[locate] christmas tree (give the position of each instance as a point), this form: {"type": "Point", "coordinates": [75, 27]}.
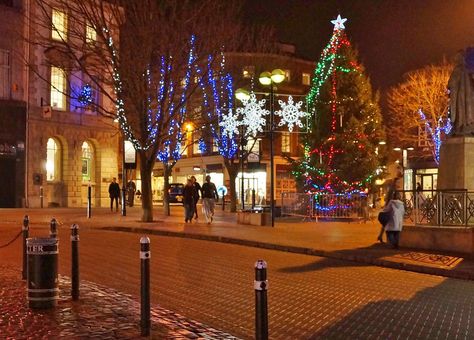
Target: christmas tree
{"type": "Point", "coordinates": [341, 154]}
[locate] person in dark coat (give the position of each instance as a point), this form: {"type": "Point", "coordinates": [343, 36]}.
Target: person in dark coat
{"type": "Point", "coordinates": [114, 194]}
{"type": "Point", "coordinates": [188, 201]}
{"type": "Point", "coordinates": [197, 191]}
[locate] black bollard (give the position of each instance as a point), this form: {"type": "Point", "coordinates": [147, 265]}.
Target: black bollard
{"type": "Point", "coordinates": [53, 228]}
{"type": "Point", "coordinates": [223, 202]}
{"type": "Point", "coordinates": [145, 285]}
{"type": "Point", "coordinates": [89, 201]}
{"type": "Point", "coordinates": [253, 199]}
{"type": "Point", "coordinates": [26, 229]}
{"type": "Point", "coordinates": [261, 309]}
{"type": "Point", "coordinates": [75, 262]}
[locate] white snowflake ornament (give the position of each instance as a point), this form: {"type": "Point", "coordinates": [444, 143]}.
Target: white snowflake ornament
{"type": "Point", "coordinates": [290, 113]}
{"type": "Point", "coordinates": [253, 114]}
{"type": "Point", "coordinates": [230, 124]}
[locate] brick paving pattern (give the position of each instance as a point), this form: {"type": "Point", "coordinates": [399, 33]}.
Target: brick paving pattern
{"type": "Point", "coordinates": [310, 297]}
{"type": "Point", "coordinates": [101, 313]}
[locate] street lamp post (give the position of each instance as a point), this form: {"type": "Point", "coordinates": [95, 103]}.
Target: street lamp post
{"type": "Point", "coordinates": [404, 152]}
{"type": "Point", "coordinates": [267, 78]}
{"type": "Point", "coordinates": [242, 94]}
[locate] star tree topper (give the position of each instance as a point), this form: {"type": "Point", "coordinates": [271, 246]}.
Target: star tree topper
{"type": "Point", "coordinates": [253, 114]}
{"type": "Point", "coordinates": [290, 113]}
{"type": "Point", "coordinates": [339, 22]}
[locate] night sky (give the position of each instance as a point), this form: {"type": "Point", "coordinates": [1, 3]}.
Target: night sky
{"type": "Point", "coordinates": [392, 36]}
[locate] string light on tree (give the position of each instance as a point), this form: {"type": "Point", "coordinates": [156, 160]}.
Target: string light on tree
{"type": "Point", "coordinates": [86, 96]}
{"type": "Point", "coordinates": [442, 129]}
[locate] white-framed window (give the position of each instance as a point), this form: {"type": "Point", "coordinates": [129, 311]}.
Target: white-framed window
{"type": "Point", "coordinates": [287, 75]}
{"type": "Point", "coordinates": [87, 161]}
{"type": "Point", "coordinates": [196, 145]}
{"type": "Point", "coordinates": [59, 25]}
{"type": "Point", "coordinates": [91, 35]}
{"type": "Point", "coordinates": [58, 88]}
{"type": "Point", "coordinates": [285, 142]}
{"type": "Point", "coordinates": [215, 146]}
{"type": "Point", "coordinates": [248, 71]}
{"type": "Point", "coordinates": [5, 85]}
{"type": "Point", "coordinates": [53, 160]}
{"type": "Point", "coordinates": [306, 78]}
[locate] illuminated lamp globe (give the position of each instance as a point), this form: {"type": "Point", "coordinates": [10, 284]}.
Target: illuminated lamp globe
{"type": "Point", "coordinates": [278, 76]}
{"type": "Point", "coordinates": [265, 78]}
{"type": "Point", "coordinates": [242, 94]}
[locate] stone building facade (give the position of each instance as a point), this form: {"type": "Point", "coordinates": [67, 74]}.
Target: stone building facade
{"type": "Point", "coordinates": [56, 149]}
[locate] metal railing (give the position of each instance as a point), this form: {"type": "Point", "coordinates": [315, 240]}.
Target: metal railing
{"type": "Point", "coordinates": [330, 206]}
{"type": "Point", "coordinates": [439, 207]}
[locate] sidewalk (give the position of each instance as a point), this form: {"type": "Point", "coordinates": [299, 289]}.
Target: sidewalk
{"type": "Point", "coordinates": [101, 313]}
{"type": "Point", "coordinates": [339, 240]}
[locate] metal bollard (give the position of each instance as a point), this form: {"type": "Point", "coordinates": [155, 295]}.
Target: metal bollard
{"type": "Point", "coordinates": [26, 229]}
{"type": "Point", "coordinates": [53, 228]}
{"type": "Point", "coordinates": [223, 202]}
{"type": "Point", "coordinates": [124, 201]}
{"type": "Point", "coordinates": [89, 201]}
{"type": "Point", "coordinates": [253, 199]}
{"type": "Point", "coordinates": [145, 285]}
{"type": "Point", "coordinates": [75, 262]}
{"type": "Point", "coordinates": [261, 308]}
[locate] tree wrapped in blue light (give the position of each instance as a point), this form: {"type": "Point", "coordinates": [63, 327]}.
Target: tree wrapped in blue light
{"type": "Point", "coordinates": [437, 134]}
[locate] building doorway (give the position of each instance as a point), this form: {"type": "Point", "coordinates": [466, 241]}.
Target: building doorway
{"type": "Point", "coordinates": [7, 182]}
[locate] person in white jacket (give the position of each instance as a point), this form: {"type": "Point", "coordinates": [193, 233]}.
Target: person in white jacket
{"type": "Point", "coordinates": [395, 224]}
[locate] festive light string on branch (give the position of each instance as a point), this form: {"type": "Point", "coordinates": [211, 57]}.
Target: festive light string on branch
{"type": "Point", "coordinates": [436, 134]}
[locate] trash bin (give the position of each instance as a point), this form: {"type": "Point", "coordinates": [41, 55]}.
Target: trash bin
{"type": "Point", "coordinates": [42, 278]}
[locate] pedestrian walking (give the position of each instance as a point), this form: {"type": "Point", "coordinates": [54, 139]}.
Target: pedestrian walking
{"type": "Point", "coordinates": [197, 190]}
{"type": "Point", "coordinates": [188, 201]}
{"type": "Point", "coordinates": [394, 224]}
{"type": "Point", "coordinates": [114, 194]}
{"type": "Point", "coordinates": [209, 194]}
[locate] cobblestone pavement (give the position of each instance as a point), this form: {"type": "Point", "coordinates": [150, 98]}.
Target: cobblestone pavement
{"type": "Point", "coordinates": [309, 297]}
{"type": "Point", "coordinates": [101, 313]}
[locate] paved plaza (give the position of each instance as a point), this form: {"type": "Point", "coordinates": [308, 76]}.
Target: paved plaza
{"type": "Point", "coordinates": [206, 286]}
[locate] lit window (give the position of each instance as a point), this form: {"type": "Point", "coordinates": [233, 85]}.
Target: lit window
{"type": "Point", "coordinates": [58, 88]}
{"type": "Point", "coordinates": [59, 26]}
{"type": "Point", "coordinates": [288, 75]}
{"type": "Point", "coordinates": [215, 147]}
{"type": "Point", "coordinates": [52, 160]}
{"type": "Point", "coordinates": [285, 142]}
{"type": "Point", "coordinates": [253, 146]}
{"type": "Point", "coordinates": [248, 71]}
{"type": "Point", "coordinates": [196, 142]}
{"type": "Point", "coordinates": [87, 158]}
{"type": "Point", "coordinates": [91, 34]}
{"type": "Point", "coordinates": [4, 74]}
{"type": "Point", "coordinates": [306, 79]}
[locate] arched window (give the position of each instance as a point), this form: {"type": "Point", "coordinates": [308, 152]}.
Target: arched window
{"type": "Point", "coordinates": [87, 161]}
{"type": "Point", "coordinates": [53, 160]}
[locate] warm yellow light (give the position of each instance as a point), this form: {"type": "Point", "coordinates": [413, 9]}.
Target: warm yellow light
{"type": "Point", "coordinates": [189, 127]}
{"type": "Point", "coordinates": [410, 148]}
{"type": "Point", "coordinates": [397, 149]}
{"type": "Point", "coordinates": [382, 142]}
{"type": "Point", "coordinates": [265, 78]}
{"type": "Point", "coordinates": [278, 76]}
{"type": "Point", "coordinates": [242, 94]}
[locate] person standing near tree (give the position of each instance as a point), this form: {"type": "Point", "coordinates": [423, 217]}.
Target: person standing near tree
{"type": "Point", "coordinates": [114, 194]}
{"type": "Point", "coordinates": [394, 225]}
{"type": "Point", "coordinates": [188, 201]}
{"type": "Point", "coordinates": [197, 189]}
{"type": "Point", "coordinates": [209, 194]}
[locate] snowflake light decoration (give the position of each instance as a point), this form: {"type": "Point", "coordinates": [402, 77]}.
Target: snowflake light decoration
{"type": "Point", "coordinates": [290, 113]}
{"type": "Point", "coordinates": [230, 124]}
{"type": "Point", "coordinates": [253, 114]}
